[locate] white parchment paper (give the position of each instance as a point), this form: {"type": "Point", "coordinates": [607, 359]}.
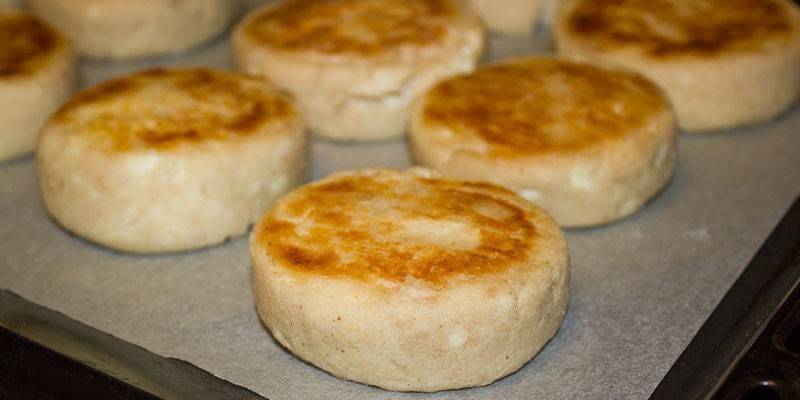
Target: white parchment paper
{"type": "Point", "coordinates": [640, 289]}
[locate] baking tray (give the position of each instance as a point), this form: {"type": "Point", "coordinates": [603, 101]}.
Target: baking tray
{"type": "Point", "coordinates": [749, 347]}
{"type": "Point", "coordinates": [641, 288]}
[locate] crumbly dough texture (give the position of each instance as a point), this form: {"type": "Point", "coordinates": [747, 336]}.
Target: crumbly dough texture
{"type": "Point", "coordinates": [121, 29]}
{"type": "Point", "coordinates": [170, 159]}
{"type": "Point", "coordinates": [410, 282]}
{"type": "Point", "coordinates": [355, 65]}
{"type": "Point", "coordinates": [589, 144]}
{"type": "Point", "coordinates": [723, 63]}
{"type": "Point", "coordinates": [37, 73]}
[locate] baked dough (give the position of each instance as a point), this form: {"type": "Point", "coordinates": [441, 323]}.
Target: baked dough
{"type": "Point", "coordinates": [355, 65]}
{"type": "Point", "coordinates": [515, 17]}
{"type": "Point", "coordinates": [10, 3]}
{"type": "Point", "coordinates": [167, 160]}
{"type": "Point", "coordinates": [588, 144]}
{"type": "Point", "coordinates": [723, 63]}
{"type": "Point", "coordinates": [129, 28]}
{"type": "Point", "coordinates": [410, 282]}
{"type": "Point", "coordinates": [37, 73]}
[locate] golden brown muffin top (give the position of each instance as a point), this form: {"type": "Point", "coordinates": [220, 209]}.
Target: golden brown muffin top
{"type": "Point", "coordinates": [398, 226]}
{"type": "Point", "coordinates": [666, 28]}
{"type": "Point", "coordinates": [353, 27]}
{"type": "Point", "coordinates": [534, 106]}
{"type": "Point", "coordinates": [163, 109]}
{"type": "Point", "coordinates": [25, 43]}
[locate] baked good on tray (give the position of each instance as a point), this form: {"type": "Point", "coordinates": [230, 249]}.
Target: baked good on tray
{"type": "Point", "coordinates": [409, 282]}
{"type": "Point", "coordinates": [134, 28]}
{"type": "Point", "coordinates": [170, 159]}
{"type": "Point", "coordinates": [589, 144]}
{"type": "Point", "coordinates": [516, 17]}
{"type": "Point", "coordinates": [10, 3]}
{"type": "Point", "coordinates": [37, 73]}
{"type": "Point", "coordinates": [723, 63]}
{"type": "Point", "coordinates": [355, 65]}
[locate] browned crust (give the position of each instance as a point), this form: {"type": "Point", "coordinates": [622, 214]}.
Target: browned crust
{"type": "Point", "coordinates": [25, 43]}
{"type": "Point", "coordinates": [668, 28]}
{"type": "Point", "coordinates": [353, 227]}
{"type": "Point", "coordinates": [211, 105]}
{"type": "Point", "coordinates": [534, 106]}
{"type": "Point", "coordinates": [355, 27]}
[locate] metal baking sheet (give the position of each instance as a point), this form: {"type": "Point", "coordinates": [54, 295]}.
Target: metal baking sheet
{"type": "Point", "coordinates": [640, 287]}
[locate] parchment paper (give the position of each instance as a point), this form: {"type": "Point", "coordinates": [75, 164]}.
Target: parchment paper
{"type": "Point", "coordinates": [640, 289]}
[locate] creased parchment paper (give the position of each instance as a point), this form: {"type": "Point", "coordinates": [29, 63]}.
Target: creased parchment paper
{"type": "Point", "coordinates": [640, 288]}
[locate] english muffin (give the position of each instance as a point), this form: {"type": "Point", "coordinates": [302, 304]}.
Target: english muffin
{"type": "Point", "coordinates": [589, 144]}
{"type": "Point", "coordinates": [10, 3]}
{"type": "Point", "coordinates": [166, 160]}
{"type": "Point", "coordinates": [407, 281]}
{"type": "Point", "coordinates": [355, 65]}
{"type": "Point", "coordinates": [723, 63]}
{"type": "Point", "coordinates": [120, 29]}
{"type": "Point", "coordinates": [37, 73]}
{"type": "Point", "coordinates": [515, 17]}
